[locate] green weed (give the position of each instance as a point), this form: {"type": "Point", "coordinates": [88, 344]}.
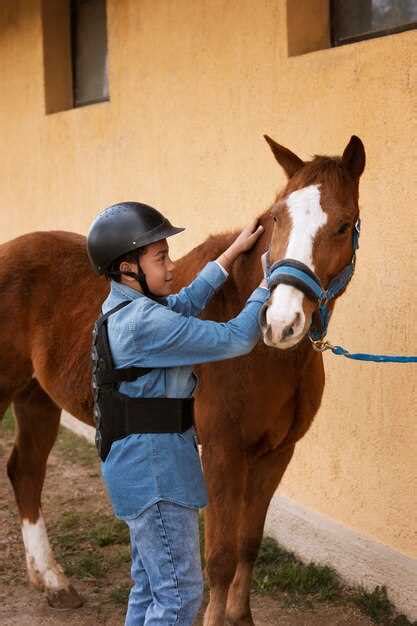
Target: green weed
{"type": "Point", "coordinates": [75, 449]}
{"type": "Point", "coordinates": [86, 566]}
{"type": "Point", "coordinates": [379, 608]}
{"type": "Point", "coordinates": [279, 570]}
{"type": "Point", "coordinates": [119, 556]}
{"type": "Point", "coordinates": [8, 422]}
{"type": "Point", "coordinates": [108, 531]}
{"type": "Point", "coordinates": [119, 595]}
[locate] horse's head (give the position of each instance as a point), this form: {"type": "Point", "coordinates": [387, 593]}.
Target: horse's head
{"type": "Point", "coordinates": [315, 220]}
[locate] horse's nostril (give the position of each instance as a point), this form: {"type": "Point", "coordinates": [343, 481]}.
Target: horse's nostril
{"type": "Point", "coordinates": [263, 321]}
{"type": "Point", "coordinates": [287, 332]}
{"type": "Point", "coordinates": [268, 332]}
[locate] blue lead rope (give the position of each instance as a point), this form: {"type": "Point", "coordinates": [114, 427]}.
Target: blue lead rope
{"type": "Point", "coordinates": [322, 346]}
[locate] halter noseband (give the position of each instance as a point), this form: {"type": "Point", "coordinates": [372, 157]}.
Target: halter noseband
{"type": "Point", "coordinates": [298, 275]}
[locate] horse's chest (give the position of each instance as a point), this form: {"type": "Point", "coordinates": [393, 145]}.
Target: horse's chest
{"type": "Point", "coordinates": [270, 420]}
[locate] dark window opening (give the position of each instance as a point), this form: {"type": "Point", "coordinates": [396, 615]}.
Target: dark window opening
{"type": "Point", "coordinates": [353, 20]}
{"type": "Point", "coordinates": [89, 51]}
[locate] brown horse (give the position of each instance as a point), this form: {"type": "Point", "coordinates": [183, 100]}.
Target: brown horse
{"type": "Point", "coordinates": [250, 411]}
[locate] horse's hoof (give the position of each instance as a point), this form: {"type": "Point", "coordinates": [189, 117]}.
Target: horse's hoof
{"type": "Point", "coordinates": [64, 598]}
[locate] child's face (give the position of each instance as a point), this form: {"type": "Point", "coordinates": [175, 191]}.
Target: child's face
{"type": "Point", "coordinates": [157, 266]}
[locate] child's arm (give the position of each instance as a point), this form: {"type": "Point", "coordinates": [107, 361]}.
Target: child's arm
{"type": "Point", "coordinates": [191, 300]}
{"type": "Point", "coordinates": [168, 339]}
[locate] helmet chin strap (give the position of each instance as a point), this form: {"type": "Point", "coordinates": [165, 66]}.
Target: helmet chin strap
{"type": "Point", "coordinates": [139, 277]}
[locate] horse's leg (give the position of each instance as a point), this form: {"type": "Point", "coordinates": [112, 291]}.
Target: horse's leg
{"type": "Point", "coordinates": [225, 467]}
{"type": "Point", "coordinates": [37, 418]}
{"type": "Point", "coordinates": [6, 395]}
{"type": "Point", "coordinates": [264, 475]}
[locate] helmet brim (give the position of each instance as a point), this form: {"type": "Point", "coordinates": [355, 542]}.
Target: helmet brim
{"type": "Point", "coordinates": [163, 231]}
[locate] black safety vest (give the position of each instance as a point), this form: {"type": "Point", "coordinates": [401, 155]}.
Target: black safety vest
{"type": "Point", "coordinates": [117, 415]}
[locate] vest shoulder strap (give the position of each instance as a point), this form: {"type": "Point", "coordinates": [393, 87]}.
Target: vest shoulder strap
{"type": "Point", "coordinates": [109, 375]}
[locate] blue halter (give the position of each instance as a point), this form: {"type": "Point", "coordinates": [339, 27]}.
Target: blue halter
{"type": "Point", "coordinates": [296, 274]}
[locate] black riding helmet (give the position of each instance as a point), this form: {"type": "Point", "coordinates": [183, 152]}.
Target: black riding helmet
{"type": "Point", "coordinates": [123, 228]}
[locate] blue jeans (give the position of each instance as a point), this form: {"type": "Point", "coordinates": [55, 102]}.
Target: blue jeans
{"type": "Point", "coordinates": [166, 567]}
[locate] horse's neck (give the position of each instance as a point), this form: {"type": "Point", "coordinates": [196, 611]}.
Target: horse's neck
{"type": "Point", "coordinates": [191, 263]}
{"type": "Point", "coordinates": [247, 270]}
{"type": "Point", "coordinates": [244, 278]}
{"type": "Point", "coordinates": [245, 273]}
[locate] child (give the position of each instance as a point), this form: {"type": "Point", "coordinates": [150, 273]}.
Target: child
{"type": "Point", "coordinates": [145, 346]}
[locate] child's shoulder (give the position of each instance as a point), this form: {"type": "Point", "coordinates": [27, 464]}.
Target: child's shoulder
{"type": "Point", "coordinates": [139, 307]}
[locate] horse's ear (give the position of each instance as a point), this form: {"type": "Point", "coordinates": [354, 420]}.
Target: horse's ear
{"type": "Point", "coordinates": [354, 157]}
{"type": "Point", "coordinates": [289, 161]}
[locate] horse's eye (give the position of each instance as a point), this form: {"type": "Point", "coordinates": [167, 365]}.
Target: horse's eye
{"type": "Point", "coordinates": [343, 229]}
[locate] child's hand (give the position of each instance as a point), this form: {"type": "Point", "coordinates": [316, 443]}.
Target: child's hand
{"type": "Point", "coordinates": [242, 243]}
{"type": "Point", "coordinates": [247, 237]}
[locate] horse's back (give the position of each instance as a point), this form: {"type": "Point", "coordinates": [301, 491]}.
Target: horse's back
{"type": "Point", "coordinates": [49, 300]}
{"type": "Point", "coordinates": [35, 249]}
{"type": "Point", "coordinates": [42, 273]}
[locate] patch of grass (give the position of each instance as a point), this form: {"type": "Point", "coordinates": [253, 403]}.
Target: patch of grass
{"type": "Point", "coordinates": [76, 529]}
{"type": "Point", "coordinates": [120, 556]}
{"type": "Point", "coordinates": [8, 422]}
{"type": "Point", "coordinates": [86, 566]}
{"type": "Point", "coordinates": [119, 595]}
{"type": "Point", "coordinates": [91, 545]}
{"type": "Point", "coordinates": [76, 449]}
{"type": "Point", "coordinates": [279, 570]}
{"type": "Point", "coordinates": [379, 608]}
{"type": "Point", "coordinates": [375, 603]}
{"type": "Point", "coordinates": [71, 531]}
{"type": "Point", "coordinates": [70, 520]}
{"type": "Point", "coordinates": [109, 531]}
{"type": "Point", "coordinates": [79, 538]}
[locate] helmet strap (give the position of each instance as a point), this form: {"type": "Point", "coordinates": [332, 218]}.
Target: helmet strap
{"type": "Point", "coordinates": [139, 277]}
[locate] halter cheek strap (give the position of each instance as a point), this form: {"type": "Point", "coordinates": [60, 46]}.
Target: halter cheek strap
{"type": "Point", "coordinates": [298, 275]}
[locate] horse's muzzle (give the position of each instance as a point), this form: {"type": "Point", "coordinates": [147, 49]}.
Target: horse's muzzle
{"type": "Point", "coordinates": [286, 335]}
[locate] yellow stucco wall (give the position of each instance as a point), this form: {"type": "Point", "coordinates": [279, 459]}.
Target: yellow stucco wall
{"type": "Point", "coordinates": [193, 86]}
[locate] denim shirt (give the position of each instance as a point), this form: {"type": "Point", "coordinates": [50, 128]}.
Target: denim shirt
{"type": "Point", "coordinates": [142, 469]}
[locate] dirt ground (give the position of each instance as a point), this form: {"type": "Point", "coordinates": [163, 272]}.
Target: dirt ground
{"type": "Point", "coordinates": [94, 551]}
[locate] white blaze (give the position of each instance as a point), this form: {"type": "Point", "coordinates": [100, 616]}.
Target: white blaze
{"type": "Point", "coordinates": [43, 570]}
{"type": "Point", "coordinates": [307, 217]}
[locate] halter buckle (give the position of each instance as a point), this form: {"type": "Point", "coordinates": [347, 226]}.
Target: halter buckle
{"type": "Point", "coordinates": [324, 299]}
{"type": "Point", "coordinates": [321, 345]}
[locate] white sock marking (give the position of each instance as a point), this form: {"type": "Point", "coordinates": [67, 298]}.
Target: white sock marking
{"type": "Point", "coordinates": [43, 570]}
